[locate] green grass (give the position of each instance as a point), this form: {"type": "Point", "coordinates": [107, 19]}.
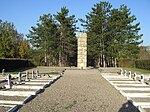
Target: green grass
{"type": "Point", "coordinates": [138, 71]}
{"type": "Point", "coordinates": [54, 73]}
{"type": "Point", "coordinates": [51, 73]}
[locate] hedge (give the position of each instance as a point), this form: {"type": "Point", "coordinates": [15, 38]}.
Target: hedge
{"type": "Point", "coordinates": [142, 64]}
{"type": "Point", "coordinates": [10, 64]}
{"type": "Point", "coordinates": [126, 62]}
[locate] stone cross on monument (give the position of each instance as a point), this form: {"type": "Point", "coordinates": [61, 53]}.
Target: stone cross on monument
{"type": "Point", "coordinates": [82, 50]}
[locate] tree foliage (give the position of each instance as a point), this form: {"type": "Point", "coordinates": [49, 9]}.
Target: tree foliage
{"type": "Point", "coordinates": [54, 36]}
{"type": "Point", "coordinates": [44, 38]}
{"type": "Point", "coordinates": [67, 39]}
{"type": "Point", "coordinates": [112, 34]}
{"type": "Point", "coordinates": [10, 41]}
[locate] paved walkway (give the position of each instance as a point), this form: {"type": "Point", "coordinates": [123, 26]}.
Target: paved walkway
{"type": "Point", "coordinates": [80, 91]}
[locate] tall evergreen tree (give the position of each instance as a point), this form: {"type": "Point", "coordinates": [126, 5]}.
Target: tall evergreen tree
{"type": "Point", "coordinates": [67, 40]}
{"type": "Point", "coordinates": [96, 26]}
{"type": "Point", "coordinates": [44, 38]}
{"type": "Point", "coordinates": [54, 36]}
{"type": "Point", "coordinates": [124, 33]}
{"type": "Point", "coordinates": [112, 34]}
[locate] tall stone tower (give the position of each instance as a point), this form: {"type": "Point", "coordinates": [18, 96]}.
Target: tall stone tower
{"type": "Point", "coordinates": [82, 50]}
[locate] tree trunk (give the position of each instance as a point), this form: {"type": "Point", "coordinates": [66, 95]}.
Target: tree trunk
{"type": "Point", "coordinates": [115, 62]}
{"type": "Point", "coordinates": [99, 61]}
{"type": "Point", "coordinates": [104, 61]}
{"type": "Point", "coordinates": [59, 61]}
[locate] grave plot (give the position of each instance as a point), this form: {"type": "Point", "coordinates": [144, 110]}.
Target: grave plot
{"type": "Point", "coordinates": [131, 86]}
{"type": "Point", "coordinates": [15, 92]}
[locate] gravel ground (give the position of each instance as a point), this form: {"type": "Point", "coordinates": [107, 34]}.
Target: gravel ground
{"type": "Point", "coordinates": [4, 109]}
{"type": "Point", "coordinates": [80, 91]}
{"type": "Point", "coordinates": [12, 98]}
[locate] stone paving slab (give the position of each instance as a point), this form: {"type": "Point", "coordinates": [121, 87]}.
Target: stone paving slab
{"type": "Point", "coordinates": [114, 79]}
{"type": "Point", "coordinates": [17, 93]}
{"type": "Point", "coordinates": [136, 89]}
{"type": "Point", "coordinates": [11, 102]}
{"type": "Point", "coordinates": [126, 85]}
{"type": "Point", "coordinates": [125, 82]}
{"type": "Point", "coordinates": [25, 87]}
{"type": "Point", "coordinates": [132, 85]}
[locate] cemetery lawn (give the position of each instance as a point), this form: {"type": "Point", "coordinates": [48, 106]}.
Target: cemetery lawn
{"type": "Point", "coordinates": [138, 71]}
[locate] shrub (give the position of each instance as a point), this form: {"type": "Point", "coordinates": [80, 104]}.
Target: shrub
{"type": "Point", "coordinates": [142, 64]}
{"type": "Point", "coordinates": [126, 62]}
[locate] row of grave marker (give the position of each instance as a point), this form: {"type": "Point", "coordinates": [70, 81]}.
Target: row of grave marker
{"type": "Point", "coordinates": [133, 76]}
{"type": "Point", "coordinates": [144, 81]}
{"type": "Point", "coordinates": [132, 89]}
{"type": "Point", "coordinates": [20, 81]}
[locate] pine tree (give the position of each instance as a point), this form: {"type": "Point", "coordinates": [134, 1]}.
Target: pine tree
{"type": "Point", "coordinates": [96, 26]}
{"type": "Point", "coordinates": [67, 40]}
{"type": "Point", "coordinates": [44, 38]}
{"type": "Point", "coordinates": [124, 33]}
{"type": "Point", "coordinates": [112, 34]}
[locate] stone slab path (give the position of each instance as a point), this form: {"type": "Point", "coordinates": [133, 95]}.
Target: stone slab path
{"type": "Point", "coordinates": [80, 91]}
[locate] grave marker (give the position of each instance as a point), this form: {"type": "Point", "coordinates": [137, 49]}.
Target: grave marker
{"type": "Point", "coordinates": [33, 77]}
{"type": "Point", "coordinates": [9, 81]}
{"type": "Point", "coordinates": [37, 74]}
{"type": "Point", "coordinates": [130, 75]}
{"type": "Point", "coordinates": [27, 76]}
{"type": "Point", "coordinates": [125, 72]}
{"type": "Point", "coordinates": [121, 71]}
{"type": "Point", "coordinates": [134, 76]}
{"type": "Point", "coordinates": [142, 78]}
{"type": "Point", "coordinates": [3, 72]}
{"type": "Point", "coordinates": [19, 78]}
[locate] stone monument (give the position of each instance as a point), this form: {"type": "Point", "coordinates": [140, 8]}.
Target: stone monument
{"type": "Point", "coordinates": [82, 50]}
